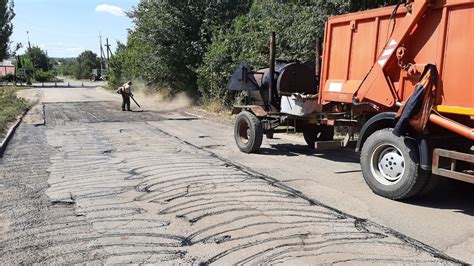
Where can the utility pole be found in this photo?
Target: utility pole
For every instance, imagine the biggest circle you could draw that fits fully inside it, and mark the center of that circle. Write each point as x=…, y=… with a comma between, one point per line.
x=28, y=75
x=108, y=49
x=101, y=53
x=28, y=35
x=47, y=61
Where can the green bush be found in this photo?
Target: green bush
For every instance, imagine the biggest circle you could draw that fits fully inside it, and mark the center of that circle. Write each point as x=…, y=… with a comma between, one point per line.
x=43, y=76
x=215, y=71
x=8, y=78
x=21, y=78
x=130, y=62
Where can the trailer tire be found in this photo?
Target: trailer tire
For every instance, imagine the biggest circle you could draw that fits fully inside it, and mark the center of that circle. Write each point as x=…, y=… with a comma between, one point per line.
x=270, y=135
x=315, y=133
x=391, y=165
x=248, y=132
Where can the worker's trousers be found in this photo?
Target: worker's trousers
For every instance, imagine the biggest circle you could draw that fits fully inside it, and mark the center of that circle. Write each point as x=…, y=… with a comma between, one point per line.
x=125, y=102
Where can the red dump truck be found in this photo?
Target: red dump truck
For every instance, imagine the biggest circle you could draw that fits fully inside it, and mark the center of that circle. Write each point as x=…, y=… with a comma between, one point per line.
x=399, y=78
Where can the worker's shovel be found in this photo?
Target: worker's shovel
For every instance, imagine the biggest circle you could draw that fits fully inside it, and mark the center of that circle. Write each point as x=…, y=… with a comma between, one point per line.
x=135, y=102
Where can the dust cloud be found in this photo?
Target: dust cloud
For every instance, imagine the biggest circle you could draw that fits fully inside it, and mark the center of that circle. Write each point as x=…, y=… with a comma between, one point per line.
x=150, y=99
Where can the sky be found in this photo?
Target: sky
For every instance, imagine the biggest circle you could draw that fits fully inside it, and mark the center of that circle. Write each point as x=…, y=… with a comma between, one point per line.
x=65, y=28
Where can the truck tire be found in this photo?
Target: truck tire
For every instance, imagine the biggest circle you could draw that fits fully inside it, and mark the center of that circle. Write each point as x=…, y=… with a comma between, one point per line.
x=248, y=132
x=390, y=165
x=315, y=133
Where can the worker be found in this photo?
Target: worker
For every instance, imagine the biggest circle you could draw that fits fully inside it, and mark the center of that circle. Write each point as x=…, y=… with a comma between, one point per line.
x=126, y=91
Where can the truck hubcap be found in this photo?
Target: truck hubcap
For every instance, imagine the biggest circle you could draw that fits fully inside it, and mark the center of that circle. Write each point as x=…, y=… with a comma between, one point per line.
x=388, y=164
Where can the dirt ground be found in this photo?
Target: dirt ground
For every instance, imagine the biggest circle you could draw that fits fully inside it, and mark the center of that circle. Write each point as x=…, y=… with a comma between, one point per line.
x=84, y=182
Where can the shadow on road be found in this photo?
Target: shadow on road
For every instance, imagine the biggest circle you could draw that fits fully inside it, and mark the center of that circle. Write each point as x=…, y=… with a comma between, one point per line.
x=448, y=194
x=292, y=150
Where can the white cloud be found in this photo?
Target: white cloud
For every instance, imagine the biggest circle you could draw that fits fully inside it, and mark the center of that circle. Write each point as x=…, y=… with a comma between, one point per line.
x=114, y=10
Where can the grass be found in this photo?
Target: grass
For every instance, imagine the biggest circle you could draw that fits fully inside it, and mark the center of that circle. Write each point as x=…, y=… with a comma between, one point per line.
x=214, y=111
x=214, y=107
x=10, y=107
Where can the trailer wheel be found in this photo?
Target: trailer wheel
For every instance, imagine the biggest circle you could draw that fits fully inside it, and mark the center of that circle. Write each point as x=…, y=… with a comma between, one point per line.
x=269, y=134
x=390, y=165
x=248, y=132
x=315, y=133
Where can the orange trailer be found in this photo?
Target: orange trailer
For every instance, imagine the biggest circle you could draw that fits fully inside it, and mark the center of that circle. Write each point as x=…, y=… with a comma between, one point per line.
x=404, y=76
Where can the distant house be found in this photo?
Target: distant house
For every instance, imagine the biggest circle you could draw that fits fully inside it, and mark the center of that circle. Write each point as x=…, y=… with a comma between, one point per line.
x=7, y=68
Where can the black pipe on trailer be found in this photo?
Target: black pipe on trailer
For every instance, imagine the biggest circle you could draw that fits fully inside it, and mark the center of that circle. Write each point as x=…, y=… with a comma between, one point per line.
x=271, y=81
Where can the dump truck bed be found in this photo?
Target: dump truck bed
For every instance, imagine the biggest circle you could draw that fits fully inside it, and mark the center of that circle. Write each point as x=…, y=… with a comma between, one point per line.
x=357, y=43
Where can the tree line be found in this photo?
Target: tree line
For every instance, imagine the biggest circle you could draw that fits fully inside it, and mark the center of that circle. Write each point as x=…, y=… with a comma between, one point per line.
x=193, y=46
x=34, y=61
x=80, y=67
x=42, y=68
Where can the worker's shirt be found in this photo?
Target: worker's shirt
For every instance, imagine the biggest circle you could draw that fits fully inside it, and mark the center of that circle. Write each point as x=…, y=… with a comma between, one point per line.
x=127, y=90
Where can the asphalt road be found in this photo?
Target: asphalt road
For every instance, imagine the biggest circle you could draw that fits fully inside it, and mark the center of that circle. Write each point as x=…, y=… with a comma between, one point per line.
x=83, y=182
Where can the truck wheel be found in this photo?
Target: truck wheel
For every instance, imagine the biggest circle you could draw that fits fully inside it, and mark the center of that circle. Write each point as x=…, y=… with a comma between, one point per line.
x=312, y=134
x=93, y=77
x=248, y=132
x=390, y=165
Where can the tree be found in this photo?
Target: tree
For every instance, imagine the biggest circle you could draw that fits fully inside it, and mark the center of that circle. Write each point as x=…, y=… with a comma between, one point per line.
x=128, y=63
x=357, y=5
x=66, y=66
x=175, y=36
x=86, y=61
x=24, y=62
x=6, y=27
x=27, y=64
x=38, y=58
